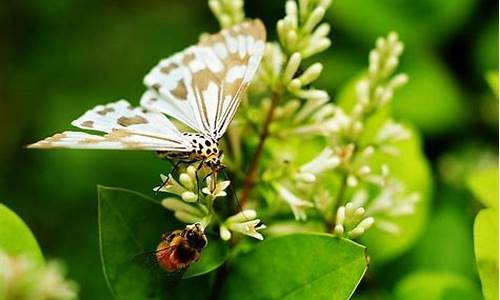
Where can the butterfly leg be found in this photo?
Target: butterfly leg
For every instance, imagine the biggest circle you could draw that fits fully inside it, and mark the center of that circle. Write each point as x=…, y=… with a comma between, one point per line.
x=176, y=166
x=197, y=180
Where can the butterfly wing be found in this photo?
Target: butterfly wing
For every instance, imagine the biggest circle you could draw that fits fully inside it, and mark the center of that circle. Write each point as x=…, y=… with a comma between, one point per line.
x=202, y=86
x=125, y=127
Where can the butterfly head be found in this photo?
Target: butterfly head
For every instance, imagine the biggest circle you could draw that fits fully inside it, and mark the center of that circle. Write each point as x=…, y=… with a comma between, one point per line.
x=212, y=162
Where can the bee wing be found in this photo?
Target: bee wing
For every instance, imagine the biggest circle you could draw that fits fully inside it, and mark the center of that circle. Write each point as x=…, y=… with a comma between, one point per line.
x=145, y=268
x=149, y=259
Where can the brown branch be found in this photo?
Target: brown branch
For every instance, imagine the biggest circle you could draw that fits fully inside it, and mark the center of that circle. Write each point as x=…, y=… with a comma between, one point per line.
x=252, y=170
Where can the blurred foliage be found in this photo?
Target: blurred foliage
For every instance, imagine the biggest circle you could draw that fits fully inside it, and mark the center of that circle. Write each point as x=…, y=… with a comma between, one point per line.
x=62, y=57
x=486, y=246
x=16, y=238
x=484, y=185
x=436, y=286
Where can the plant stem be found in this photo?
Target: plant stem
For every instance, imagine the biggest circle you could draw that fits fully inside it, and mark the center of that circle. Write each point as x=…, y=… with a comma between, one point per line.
x=220, y=277
x=252, y=171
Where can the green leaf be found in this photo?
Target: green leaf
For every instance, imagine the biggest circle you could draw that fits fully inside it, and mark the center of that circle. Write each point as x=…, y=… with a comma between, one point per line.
x=492, y=78
x=16, y=238
x=486, y=249
x=484, y=185
x=130, y=227
x=436, y=286
x=213, y=256
x=297, y=266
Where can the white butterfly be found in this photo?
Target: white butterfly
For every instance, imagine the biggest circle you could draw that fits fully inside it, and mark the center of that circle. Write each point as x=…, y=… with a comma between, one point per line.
x=201, y=87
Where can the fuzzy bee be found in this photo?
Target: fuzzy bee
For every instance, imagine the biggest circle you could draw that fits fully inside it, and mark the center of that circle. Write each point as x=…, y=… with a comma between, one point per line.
x=179, y=249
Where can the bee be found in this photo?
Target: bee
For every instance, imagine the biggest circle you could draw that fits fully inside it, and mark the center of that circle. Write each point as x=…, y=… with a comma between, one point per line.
x=180, y=248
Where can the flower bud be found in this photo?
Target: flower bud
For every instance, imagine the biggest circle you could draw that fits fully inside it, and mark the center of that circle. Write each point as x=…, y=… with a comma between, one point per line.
x=316, y=46
x=352, y=181
x=314, y=18
x=366, y=223
x=312, y=73
x=294, y=85
x=225, y=234
x=338, y=230
x=292, y=67
x=242, y=216
x=356, y=232
x=186, y=217
x=186, y=181
x=340, y=215
x=305, y=177
x=189, y=196
x=291, y=8
x=320, y=32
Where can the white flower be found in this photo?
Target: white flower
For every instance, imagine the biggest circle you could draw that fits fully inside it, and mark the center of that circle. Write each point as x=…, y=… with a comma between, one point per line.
x=306, y=36
x=26, y=279
x=361, y=228
x=310, y=74
x=388, y=226
x=53, y=285
x=249, y=228
x=291, y=67
x=242, y=216
x=297, y=205
x=350, y=221
x=393, y=201
x=325, y=161
x=243, y=222
x=185, y=212
x=339, y=123
x=229, y=12
x=218, y=191
x=170, y=185
x=392, y=132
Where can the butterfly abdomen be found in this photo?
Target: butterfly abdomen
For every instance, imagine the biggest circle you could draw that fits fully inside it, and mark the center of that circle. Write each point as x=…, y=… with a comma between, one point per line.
x=205, y=148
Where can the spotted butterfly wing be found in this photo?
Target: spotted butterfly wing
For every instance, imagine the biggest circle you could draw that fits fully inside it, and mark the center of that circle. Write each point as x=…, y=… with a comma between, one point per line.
x=202, y=86
x=125, y=127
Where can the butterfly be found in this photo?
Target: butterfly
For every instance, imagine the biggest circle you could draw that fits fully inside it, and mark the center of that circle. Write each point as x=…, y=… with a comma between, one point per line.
x=201, y=87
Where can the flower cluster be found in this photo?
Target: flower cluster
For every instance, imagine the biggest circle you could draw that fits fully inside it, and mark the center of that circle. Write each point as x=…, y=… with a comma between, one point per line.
x=193, y=202
x=284, y=117
x=298, y=31
x=22, y=279
x=227, y=12
x=291, y=108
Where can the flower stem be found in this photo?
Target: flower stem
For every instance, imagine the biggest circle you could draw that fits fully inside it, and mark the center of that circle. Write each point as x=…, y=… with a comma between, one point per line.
x=252, y=171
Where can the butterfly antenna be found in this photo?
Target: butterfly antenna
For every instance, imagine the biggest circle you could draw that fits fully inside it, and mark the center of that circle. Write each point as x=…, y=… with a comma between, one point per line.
x=235, y=196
